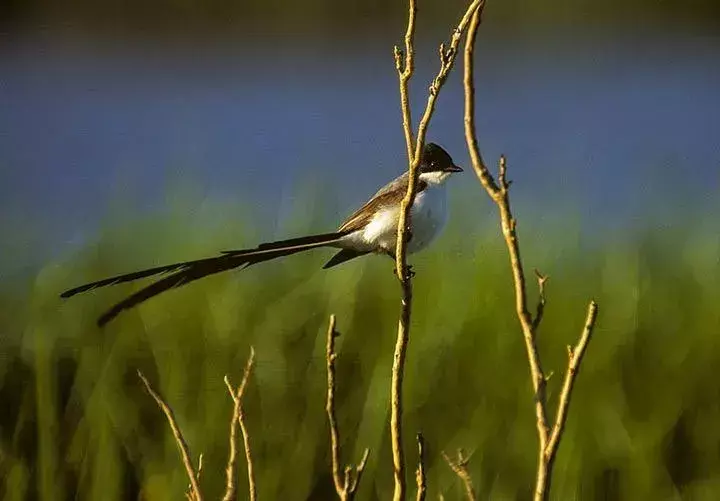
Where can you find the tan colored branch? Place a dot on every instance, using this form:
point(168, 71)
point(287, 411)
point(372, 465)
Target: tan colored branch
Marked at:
point(499, 192)
point(189, 494)
point(420, 479)
point(469, 85)
point(575, 356)
point(405, 69)
point(238, 418)
point(459, 466)
point(540, 308)
point(537, 375)
point(179, 439)
point(345, 486)
point(405, 65)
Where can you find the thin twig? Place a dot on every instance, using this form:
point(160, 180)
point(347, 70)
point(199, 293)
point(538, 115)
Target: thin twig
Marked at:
point(238, 418)
point(420, 479)
point(230, 487)
point(189, 494)
point(179, 439)
point(499, 192)
point(575, 356)
point(540, 309)
point(459, 466)
point(345, 486)
point(252, 489)
point(476, 158)
point(500, 195)
point(405, 68)
point(330, 406)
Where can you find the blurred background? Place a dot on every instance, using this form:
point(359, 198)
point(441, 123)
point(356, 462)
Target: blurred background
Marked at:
point(137, 133)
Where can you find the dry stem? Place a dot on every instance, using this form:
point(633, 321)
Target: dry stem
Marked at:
point(179, 439)
point(189, 494)
point(459, 466)
point(499, 192)
point(238, 417)
point(420, 479)
point(405, 69)
point(346, 485)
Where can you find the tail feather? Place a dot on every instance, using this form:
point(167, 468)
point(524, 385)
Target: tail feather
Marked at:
point(189, 271)
point(293, 242)
point(342, 256)
point(190, 274)
point(129, 277)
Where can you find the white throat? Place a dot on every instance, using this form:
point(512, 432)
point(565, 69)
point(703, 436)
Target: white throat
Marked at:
point(437, 177)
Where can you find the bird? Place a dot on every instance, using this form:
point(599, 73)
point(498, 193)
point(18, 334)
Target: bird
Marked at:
point(371, 229)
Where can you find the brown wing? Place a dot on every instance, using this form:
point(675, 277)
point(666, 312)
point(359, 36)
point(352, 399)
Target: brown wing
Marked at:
point(388, 196)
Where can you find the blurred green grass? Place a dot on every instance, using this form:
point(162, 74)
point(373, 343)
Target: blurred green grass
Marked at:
point(644, 422)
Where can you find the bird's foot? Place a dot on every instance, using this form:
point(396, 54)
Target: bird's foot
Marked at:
point(409, 272)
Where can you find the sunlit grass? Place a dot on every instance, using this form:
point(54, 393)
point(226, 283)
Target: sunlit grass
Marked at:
point(643, 424)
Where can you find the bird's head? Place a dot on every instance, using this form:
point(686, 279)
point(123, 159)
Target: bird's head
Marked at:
point(436, 165)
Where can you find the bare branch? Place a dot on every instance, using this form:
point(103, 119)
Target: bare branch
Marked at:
point(499, 192)
point(540, 309)
point(405, 67)
point(330, 406)
point(500, 195)
point(359, 469)
point(420, 472)
point(346, 485)
point(575, 356)
point(469, 84)
point(179, 439)
point(189, 494)
point(459, 466)
point(238, 418)
point(447, 59)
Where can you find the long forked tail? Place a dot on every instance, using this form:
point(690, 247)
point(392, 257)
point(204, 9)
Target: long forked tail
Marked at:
point(189, 271)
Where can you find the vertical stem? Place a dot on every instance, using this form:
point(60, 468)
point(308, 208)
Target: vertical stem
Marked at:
point(405, 68)
point(396, 392)
point(542, 479)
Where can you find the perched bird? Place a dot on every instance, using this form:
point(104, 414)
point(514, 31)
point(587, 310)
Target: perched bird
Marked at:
point(370, 229)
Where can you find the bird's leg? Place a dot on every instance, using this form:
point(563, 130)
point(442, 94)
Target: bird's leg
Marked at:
point(409, 273)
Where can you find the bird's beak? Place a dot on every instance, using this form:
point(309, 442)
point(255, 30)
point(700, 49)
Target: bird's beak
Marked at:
point(454, 168)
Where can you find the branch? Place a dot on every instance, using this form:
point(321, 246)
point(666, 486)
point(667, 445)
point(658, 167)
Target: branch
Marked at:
point(540, 309)
point(459, 466)
point(420, 472)
point(447, 60)
point(500, 195)
point(575, 356)
point(499, 192)
point(238, 417)
point(189, 494)
point(405, 68)
point(469, 85)
point(179, 439)
point(344, 486)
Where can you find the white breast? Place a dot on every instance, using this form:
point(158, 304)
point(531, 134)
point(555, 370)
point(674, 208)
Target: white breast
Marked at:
point(429, 215)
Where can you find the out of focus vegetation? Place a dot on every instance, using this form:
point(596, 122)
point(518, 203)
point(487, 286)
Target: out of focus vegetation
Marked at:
point(644, 422)
point(354, 16)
